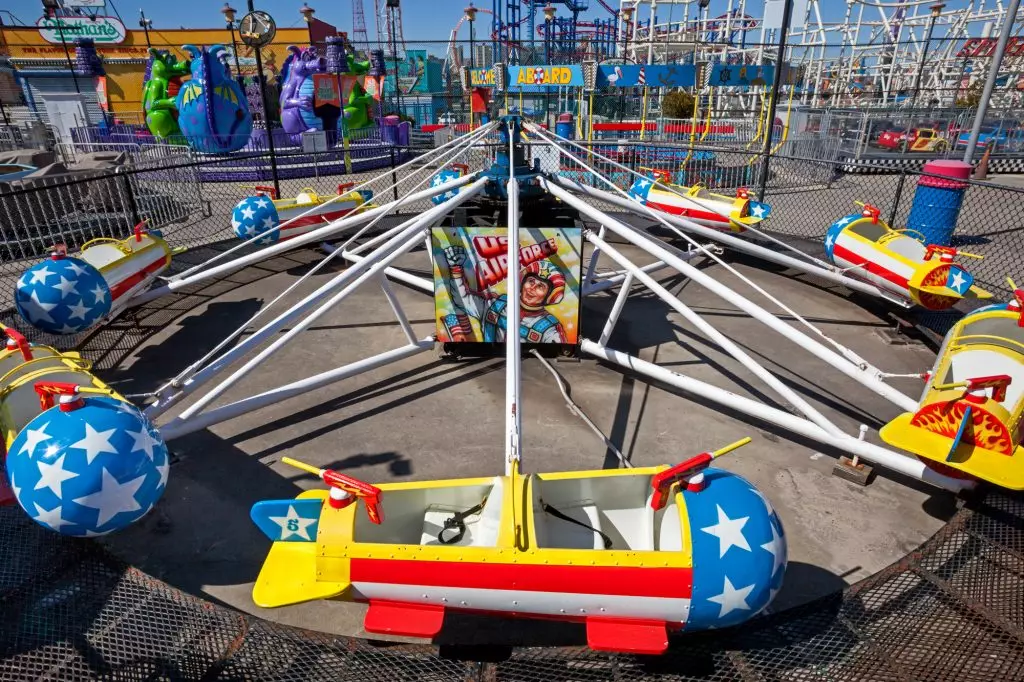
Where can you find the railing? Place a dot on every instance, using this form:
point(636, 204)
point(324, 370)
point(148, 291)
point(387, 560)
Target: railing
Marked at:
point(191, 199)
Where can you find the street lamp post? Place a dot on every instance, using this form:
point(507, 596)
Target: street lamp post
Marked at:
point(145, 25)
point(307, 13)
point(470, 14)
point(471, 17)
point(394, 54)
point(549, 18)
point(936, 11)
point(627, 18)
point(787, 15)
point(229, 18)
point(50, 8)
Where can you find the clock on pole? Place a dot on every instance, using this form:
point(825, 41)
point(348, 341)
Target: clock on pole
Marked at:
point(257, 29)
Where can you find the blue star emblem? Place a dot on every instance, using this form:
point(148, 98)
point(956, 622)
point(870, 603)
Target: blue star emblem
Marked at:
point(88, 471)
point(443, 176)
point(739, 551)
point(959, 280)
point(255, 216)
point(62, 296)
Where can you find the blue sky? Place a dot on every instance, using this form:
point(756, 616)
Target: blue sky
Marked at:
point(423, 19)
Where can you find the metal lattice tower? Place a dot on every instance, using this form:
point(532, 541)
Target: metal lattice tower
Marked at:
point(359, 35)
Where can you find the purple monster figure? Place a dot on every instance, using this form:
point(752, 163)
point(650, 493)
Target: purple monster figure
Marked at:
point(297, 114)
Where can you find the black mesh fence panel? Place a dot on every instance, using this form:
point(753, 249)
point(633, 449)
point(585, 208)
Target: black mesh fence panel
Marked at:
point(951, 610)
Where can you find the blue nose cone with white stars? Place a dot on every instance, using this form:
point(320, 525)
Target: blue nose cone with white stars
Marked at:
point(62, 296)
point(256, 216)
point(739, 551)
point(443, 176)
point(88, 471)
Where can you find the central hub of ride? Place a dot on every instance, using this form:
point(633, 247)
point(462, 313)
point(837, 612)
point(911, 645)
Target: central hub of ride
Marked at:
point(511, 129)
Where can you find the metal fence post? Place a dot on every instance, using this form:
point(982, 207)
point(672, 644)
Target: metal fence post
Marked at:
point(127, 183)
point(394, 175)
point(899, 195)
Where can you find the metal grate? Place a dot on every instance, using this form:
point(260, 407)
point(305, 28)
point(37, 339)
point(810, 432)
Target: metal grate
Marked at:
point(951, 610)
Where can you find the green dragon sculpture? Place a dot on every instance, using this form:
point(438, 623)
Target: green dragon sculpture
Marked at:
point(158, 99)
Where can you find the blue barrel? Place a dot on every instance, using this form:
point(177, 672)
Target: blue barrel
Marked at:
point(937, 200)
point(565, 126)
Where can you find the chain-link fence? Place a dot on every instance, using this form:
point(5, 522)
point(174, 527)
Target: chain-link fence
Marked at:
point(953, 609)
point(191, 199)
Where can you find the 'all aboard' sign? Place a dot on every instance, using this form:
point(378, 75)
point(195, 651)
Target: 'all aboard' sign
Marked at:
point(544, 76)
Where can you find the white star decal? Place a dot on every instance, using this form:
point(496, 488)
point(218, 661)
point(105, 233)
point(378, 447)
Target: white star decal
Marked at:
point(34, 437)
point(729, 532)
point(262, 203)
point(14, 486)
point(51, 518)
point(143, 441)
point(127, 408)
point(68, 329)
point(52, 476)
point(828, 242)
point(958, 281)
point(846, 221)
point(248, 213)
point(731, 599)
point(437, 181)
point(163, 469)
point(39, 311)
point(249, 230)
point(758, 210)
point(66, 286)
point(642, 184)
point(266, 240)
point(95, 443)
point(293, 524)
point(113, 497)
point(235, 224)
point(41, 274)
point(767, 503)
point(99, 293)
point(774, 546)
point(268, 222)
point(22, 281)
point(79, 311)
point(75, 267)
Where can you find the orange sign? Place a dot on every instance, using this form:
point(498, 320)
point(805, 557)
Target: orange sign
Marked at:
point(101, 93)
point(326, 90)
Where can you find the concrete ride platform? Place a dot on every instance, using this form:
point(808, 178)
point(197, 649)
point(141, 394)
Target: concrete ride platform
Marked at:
point(428, 417)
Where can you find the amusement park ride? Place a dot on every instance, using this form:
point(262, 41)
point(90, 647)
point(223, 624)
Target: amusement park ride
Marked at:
point(631, 553)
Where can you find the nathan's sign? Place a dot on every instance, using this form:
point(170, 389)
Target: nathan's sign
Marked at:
point(103, 30)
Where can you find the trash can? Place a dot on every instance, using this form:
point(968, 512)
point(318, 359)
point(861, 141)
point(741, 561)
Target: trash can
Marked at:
point(389, 130)
point(565, 126)
point(937, 200)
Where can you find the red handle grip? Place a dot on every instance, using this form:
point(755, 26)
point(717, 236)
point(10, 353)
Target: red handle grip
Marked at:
point(20, 342)
point(997, 382)
point(48, 389)
point(933, 249)
point(139, 230)
point(345, 186)
point(369, 493)
point(662, 482)
point(872, 212)
point(461, 167)
point(264, 189)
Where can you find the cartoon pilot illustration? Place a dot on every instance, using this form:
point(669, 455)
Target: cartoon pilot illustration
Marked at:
point(542, 284)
